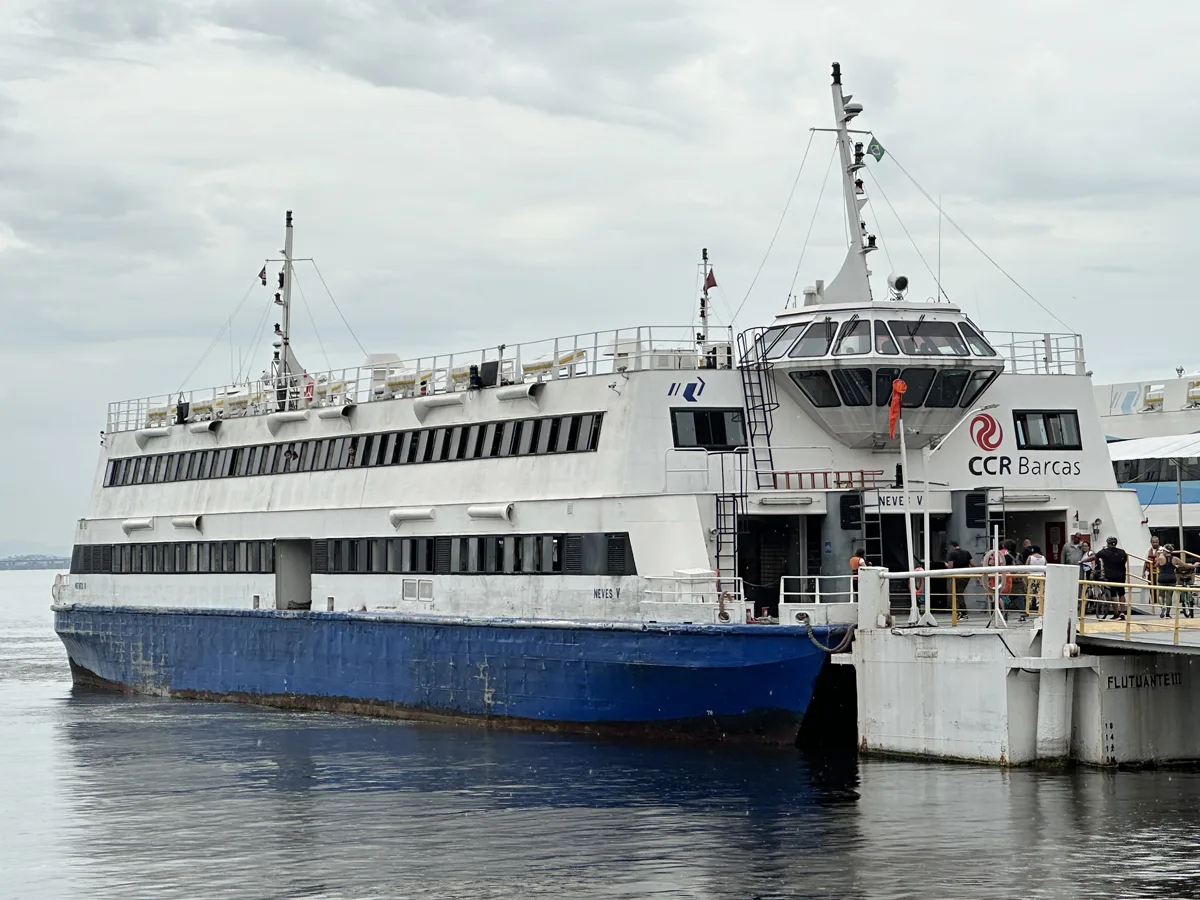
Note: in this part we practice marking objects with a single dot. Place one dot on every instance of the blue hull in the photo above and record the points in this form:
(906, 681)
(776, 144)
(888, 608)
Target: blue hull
(751, 682)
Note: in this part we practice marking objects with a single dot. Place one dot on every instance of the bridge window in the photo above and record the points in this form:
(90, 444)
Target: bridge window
(1047, 429)
(854, 339)
(777, 341)
(924, 338)
(947, 388)
(817, 387)
(979, 346)
(816, 340)
(976, 386)
(884, 342)
(711, 429)
(854, 385)
(918, 382)
(883, 384)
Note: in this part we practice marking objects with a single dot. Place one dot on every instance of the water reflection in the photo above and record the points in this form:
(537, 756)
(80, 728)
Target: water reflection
(108, 797)
(287, 803)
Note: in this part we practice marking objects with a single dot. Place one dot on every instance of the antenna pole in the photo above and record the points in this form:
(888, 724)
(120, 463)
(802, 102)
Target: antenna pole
(704, 297)
(286, 328)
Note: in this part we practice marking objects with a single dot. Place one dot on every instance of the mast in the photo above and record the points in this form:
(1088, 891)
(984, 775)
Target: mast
(286, 278)
(852, 283)
(285, 368)
(704, 298)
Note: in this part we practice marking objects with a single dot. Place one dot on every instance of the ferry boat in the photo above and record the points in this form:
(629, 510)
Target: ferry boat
(644, 530)
(1153, 429)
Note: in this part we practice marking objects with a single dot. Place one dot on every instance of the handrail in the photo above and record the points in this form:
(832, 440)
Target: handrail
(642, 348)
(816, 594)
(1179, 602)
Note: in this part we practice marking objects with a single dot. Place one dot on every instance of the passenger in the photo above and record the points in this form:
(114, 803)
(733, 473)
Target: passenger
(1026, 549)
(1150, 568)
(858, 559)
(1165, 561)
(958, 558)
(1035, 558)
(1072, 554)
(1114, 566)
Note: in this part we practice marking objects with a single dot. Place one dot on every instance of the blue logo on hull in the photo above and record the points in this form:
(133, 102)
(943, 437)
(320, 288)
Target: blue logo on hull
(690, 391)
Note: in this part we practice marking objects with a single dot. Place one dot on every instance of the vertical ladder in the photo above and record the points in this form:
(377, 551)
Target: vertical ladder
(728, 508)
(758, 389)
(872, 531)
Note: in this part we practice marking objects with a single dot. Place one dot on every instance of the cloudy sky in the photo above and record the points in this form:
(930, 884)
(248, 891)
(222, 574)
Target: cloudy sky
(471, 172)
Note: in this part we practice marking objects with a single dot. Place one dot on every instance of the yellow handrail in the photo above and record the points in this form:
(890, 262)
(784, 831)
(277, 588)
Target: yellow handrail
(1181, 594)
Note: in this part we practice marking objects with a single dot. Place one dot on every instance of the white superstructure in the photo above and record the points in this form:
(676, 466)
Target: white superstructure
(649, 473)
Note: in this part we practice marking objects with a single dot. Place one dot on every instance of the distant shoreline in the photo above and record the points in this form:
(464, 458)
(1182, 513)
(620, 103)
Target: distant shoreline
(26, 563)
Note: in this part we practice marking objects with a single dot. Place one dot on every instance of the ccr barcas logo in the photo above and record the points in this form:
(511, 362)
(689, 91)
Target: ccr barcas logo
(987, 435)
(986, 432)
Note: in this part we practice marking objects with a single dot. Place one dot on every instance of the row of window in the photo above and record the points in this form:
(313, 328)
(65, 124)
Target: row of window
(856, 337)
(1130, 471)
(928, 387)
(484, 440)
(513, 554)
(172, 558)
(516, 554)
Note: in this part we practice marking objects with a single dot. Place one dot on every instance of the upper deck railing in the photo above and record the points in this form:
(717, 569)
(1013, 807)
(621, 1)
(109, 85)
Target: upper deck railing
(657, 348)
(1039, 353)
(645, 348)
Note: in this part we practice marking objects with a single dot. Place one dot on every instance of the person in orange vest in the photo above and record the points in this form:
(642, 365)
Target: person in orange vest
(858, 559)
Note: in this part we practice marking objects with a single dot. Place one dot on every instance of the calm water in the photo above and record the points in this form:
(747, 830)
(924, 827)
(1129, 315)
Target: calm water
(114, 797)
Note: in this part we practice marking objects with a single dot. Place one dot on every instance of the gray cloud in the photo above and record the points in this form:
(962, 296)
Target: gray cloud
(470, 173)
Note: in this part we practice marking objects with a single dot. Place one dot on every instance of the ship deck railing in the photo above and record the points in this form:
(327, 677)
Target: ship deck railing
(604, 353)
(1039, 353)
(817, 589)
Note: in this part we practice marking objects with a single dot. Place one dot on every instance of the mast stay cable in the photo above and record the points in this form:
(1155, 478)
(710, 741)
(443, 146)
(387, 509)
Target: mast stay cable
(216, 340)
(971, 241)
(782, 216)
(338, 308)
(812, 221)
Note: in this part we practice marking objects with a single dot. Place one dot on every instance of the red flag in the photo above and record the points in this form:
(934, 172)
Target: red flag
(263, 275)
(898, 389)
(710, 281)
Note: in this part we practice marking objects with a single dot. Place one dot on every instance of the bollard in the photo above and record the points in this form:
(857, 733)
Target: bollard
(255, 601)
(329, 604)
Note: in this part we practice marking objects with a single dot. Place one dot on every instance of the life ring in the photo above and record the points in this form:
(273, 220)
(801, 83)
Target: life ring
(310, 387)
(920, 582)
(994, 579)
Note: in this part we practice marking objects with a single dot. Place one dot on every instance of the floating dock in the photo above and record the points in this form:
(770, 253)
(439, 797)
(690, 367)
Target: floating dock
(1061, 686)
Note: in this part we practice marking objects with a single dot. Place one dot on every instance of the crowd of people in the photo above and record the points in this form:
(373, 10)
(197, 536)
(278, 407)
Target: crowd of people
(1106, 570)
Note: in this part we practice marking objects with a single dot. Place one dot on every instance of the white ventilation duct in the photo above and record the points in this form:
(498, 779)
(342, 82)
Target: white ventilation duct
(491, 511)
(409, 514)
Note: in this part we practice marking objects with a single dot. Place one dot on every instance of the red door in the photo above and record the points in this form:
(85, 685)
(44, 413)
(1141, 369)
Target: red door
(1056, 535)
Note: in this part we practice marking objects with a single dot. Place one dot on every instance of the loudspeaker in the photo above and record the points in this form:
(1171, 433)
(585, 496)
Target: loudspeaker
(977, 510)
(851, 510)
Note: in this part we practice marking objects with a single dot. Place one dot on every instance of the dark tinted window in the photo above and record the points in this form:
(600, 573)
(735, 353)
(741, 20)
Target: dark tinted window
(817, 387)
(1047, 429)
(712, 429)
(947, 388)
(854, 385)
(919, 382)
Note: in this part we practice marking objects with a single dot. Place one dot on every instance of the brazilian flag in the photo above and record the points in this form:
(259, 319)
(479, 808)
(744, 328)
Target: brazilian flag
(875, 148)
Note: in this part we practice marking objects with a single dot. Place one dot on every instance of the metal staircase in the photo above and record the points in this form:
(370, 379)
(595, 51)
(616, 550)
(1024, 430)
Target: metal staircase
(758, 388)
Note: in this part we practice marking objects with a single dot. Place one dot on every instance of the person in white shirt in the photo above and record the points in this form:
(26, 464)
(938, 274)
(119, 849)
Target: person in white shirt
(1035, 557)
